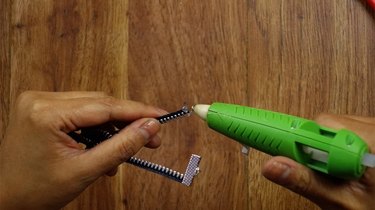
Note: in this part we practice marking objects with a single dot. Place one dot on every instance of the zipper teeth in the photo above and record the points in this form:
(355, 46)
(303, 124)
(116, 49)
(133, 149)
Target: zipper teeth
(106, 134)
(162, 170)
(150, 166)
(174, 115)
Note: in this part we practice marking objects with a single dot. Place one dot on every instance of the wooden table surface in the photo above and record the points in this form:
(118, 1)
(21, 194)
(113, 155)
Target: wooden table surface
(300, 57)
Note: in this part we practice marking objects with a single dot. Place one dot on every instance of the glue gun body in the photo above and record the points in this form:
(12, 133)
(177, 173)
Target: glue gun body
(337, 153)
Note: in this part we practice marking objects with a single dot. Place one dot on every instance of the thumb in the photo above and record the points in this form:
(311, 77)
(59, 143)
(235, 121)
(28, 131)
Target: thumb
(116, 150)
(302, 180)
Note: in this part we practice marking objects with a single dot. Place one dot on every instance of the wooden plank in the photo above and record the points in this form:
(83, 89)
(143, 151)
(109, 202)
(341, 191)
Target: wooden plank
(193, 51)
(4, 64)
(354, 63)
(307, 57)
(280, 62)
(299, 57)
(72, 45)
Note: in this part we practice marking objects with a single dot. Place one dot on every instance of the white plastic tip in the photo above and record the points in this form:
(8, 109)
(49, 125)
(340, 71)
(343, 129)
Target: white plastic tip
(201, 110)
(368, 160)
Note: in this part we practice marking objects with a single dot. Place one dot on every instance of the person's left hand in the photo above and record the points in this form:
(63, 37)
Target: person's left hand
(41, 167)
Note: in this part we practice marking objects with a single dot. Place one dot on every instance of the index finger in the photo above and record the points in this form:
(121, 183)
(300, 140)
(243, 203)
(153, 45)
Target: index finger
(85, 112)
(61, 95)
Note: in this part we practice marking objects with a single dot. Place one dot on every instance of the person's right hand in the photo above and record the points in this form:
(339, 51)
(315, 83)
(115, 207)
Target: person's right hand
(327, 192)
(41, 167)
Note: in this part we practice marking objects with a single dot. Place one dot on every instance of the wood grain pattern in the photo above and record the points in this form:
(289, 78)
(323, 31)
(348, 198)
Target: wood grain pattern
(308, 57)
(181, 52)
(296, 60)
(298, 57)
(4, 63)
(71, 45)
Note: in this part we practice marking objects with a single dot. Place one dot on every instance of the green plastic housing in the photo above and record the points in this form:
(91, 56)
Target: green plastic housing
(285, 135)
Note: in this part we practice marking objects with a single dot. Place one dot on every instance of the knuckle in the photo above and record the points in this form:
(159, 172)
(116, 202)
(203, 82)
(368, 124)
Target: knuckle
(25, 98)
(29, 100)
(304, 184)
(108, 102)
(127, 149)
(33, 109)
(131, 144)
(37, 110)
(38, 106)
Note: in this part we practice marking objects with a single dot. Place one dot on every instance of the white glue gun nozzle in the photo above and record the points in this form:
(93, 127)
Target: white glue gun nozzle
(201, 110)
(368, 160)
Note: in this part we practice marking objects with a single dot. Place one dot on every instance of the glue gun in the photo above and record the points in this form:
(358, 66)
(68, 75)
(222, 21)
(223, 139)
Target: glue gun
(340, 153)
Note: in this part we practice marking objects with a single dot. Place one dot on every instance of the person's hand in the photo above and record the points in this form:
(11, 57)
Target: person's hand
(41, 167)
(326, 192)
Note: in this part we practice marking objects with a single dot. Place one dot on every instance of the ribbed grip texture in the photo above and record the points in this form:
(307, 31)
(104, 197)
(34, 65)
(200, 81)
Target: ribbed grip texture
(261, 129)
(252, 137)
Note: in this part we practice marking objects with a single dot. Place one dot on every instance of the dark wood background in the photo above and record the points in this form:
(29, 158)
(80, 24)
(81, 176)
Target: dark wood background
(300, 57)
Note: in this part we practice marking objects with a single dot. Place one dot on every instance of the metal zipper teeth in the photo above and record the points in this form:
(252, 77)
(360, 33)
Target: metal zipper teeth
(99, 135)
(156, 168)
(150, 166)
(174, 115)
(83, 139)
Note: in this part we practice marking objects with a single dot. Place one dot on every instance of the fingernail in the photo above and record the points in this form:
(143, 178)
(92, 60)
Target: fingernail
(149, 128)
(278, 172)
(284, 170)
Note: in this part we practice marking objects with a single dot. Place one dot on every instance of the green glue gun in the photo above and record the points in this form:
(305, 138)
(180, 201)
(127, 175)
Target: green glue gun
(340, 153)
